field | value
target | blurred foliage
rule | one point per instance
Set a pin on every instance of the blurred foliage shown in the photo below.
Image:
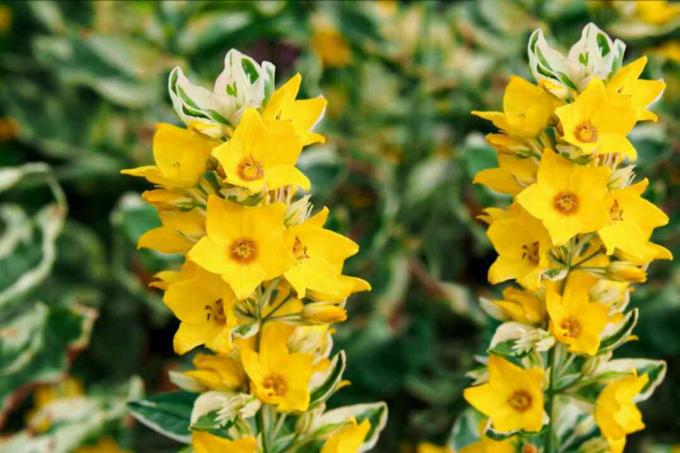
(82, 84)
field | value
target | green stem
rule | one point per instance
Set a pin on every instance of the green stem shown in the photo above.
(262, 429)
(549, 434)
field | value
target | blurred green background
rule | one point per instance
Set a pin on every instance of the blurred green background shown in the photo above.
(82, 85)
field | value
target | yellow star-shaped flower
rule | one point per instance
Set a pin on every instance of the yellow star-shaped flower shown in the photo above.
(522, 244)
(180, 156)
(204, 442)
(316, 250)
(574, 320)
(598, 122)
(203, 303)
(527, 109)
(302, 114)
(568, 198)
(512, 398)
(632, 221)
(262, 157)
(278, 377)
(347, 439)
(615, 410)
(642, 93)
(245, 245)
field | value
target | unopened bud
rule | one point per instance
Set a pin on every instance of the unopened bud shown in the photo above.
(626, 271)
(323, 313)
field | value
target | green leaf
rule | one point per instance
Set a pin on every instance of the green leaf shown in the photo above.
(324, 391)
(167, 413)
(465, 429)
(75, 420)
(622, 333)
(39, 351)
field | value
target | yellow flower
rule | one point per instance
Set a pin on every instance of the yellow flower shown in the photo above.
(632, 221)
(180, 156)
(513, 173)
(331, 46)
(278, 377)
(315, 250)
(669, 50)
(512, 398)
(260, 157)
(215, 372)
(642, 93)
(615, 410)
(526, 109)
(302, 114)
(348, 439)
(574, 320)
(657, 12)
(522, 244)
(488, 445)
(568, 198)
(103, 445)
(203, 442)
(179, 232)
(521, 306)
(5, 19)
(203, 303)
(45, 394)
(426, 447)
(246, 245)
(598, 121)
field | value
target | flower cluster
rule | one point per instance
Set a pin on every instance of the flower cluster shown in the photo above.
(261, 284)
(574, 238)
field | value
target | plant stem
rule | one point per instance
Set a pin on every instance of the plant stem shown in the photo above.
(263, 429)
(552, 364)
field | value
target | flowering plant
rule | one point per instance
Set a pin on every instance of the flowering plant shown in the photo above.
(575, 237)
(261, 284)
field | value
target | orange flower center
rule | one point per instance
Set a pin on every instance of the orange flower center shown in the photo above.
(249, 169)
(215, 312)
(572, 327)
(275, 385)
(586, 132)
(616, 213)
(566, 202)
(520, 401)
(530, 253)
(243, 250)
(299, 249)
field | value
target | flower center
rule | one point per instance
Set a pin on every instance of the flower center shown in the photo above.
(299, 249)
(243, 250)
(586, 132)
(520, 401)
(616, 213)
(566, 202)
(275, 384)
(530, 253)
(215, 312)
(249, 169)
(572, 327)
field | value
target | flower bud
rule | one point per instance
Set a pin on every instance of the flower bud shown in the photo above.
(626, 271)
(323, 313)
